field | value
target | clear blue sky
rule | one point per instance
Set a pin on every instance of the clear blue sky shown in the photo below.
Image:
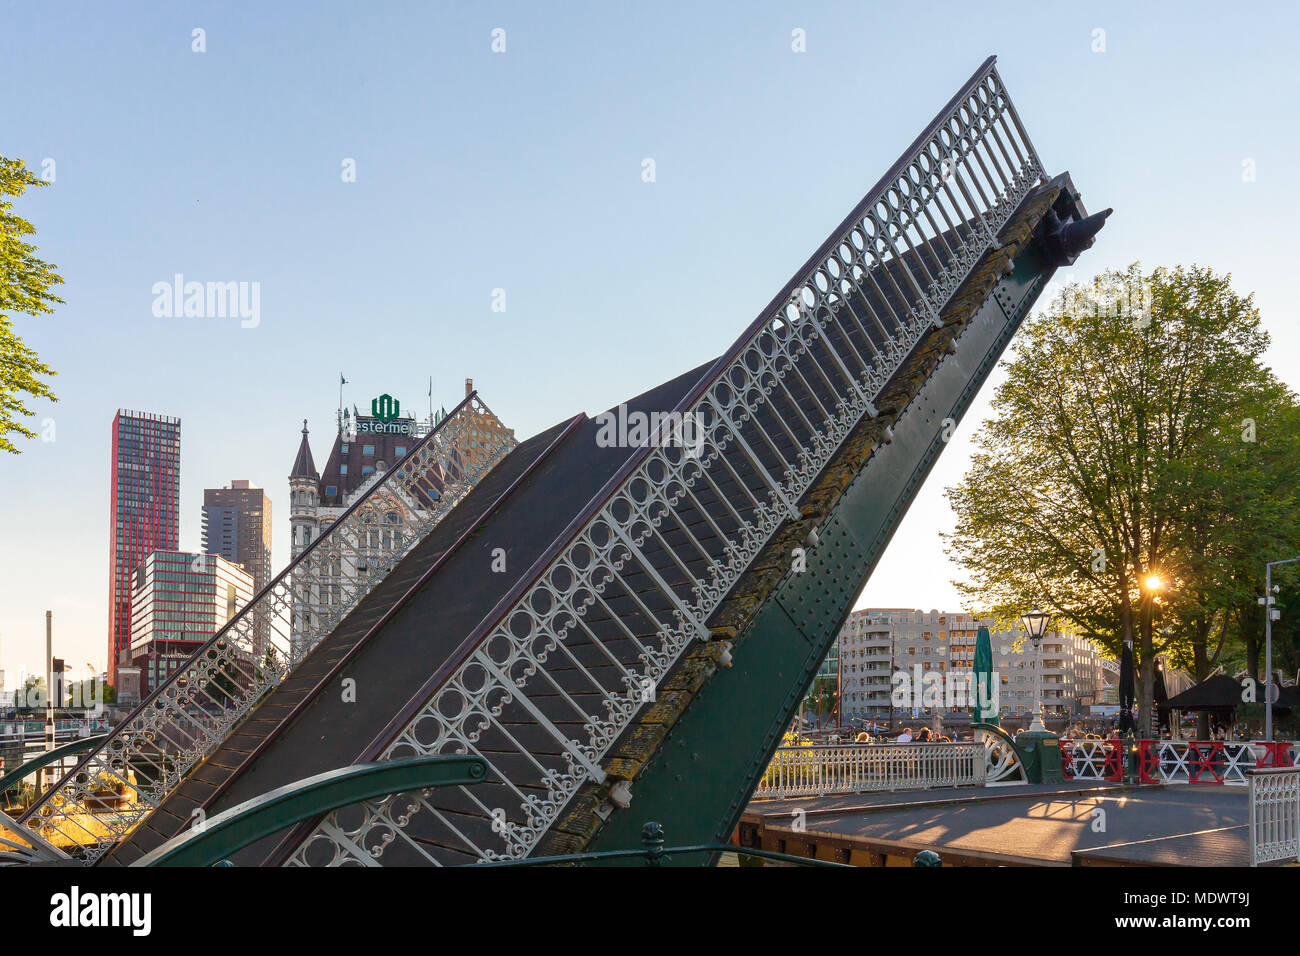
(522, 171)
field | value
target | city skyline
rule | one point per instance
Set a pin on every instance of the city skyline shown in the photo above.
(481, 166)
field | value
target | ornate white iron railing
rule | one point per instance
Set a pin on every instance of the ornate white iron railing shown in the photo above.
(861, 768)
(191, 713)
(608, 611)
(1274, 815)
(1002, 764)
(21, 846)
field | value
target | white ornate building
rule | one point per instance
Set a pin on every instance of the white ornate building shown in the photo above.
(365, 449)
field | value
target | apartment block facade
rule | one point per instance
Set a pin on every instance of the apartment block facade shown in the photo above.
(878, 643)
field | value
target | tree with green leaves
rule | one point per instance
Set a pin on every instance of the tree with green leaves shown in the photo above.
(25, 284)
(823, 697)
(1137, 467)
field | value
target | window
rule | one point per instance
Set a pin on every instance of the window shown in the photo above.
(366, 470)
(331, 491)
(401, 450)
(343, 450)
(343, 469)
(367, 449)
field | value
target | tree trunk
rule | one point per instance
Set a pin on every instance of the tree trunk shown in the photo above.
(1126, 637)
(1201, 670)
(1146, 693)
(1253, 653)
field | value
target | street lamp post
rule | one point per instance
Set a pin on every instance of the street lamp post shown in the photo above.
(51, 731)
(891, 671)
(1035, 626)
(1270, 615)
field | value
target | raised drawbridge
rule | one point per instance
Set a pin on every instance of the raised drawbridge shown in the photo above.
(620, 633)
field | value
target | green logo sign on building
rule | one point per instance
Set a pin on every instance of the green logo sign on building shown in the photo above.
(385, 407)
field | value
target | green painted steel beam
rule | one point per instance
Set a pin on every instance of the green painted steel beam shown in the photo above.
(80, 745)
(233, 829)
(703, 774)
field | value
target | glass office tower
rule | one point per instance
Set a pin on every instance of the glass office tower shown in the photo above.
(144, 510)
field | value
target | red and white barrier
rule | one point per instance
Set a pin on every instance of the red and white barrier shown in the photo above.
(1210, 762)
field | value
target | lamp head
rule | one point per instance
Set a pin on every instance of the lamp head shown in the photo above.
(1036, 624)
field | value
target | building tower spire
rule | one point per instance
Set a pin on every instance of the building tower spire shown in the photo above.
(303, 466)
(304, 523)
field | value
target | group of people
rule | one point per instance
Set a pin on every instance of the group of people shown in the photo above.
(923, 736)
(909, 736)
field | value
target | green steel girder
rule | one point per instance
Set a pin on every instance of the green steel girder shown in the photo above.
(703, 773)
(252, 820)
(80, 745)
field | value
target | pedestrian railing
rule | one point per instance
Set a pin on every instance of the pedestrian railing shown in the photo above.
(35, 729)
(1274, 815)
(20, 846)
(1195, 761)
(1093, 759)
(862, 768)
(23, 785)
(1002, 764)
(1213, 762)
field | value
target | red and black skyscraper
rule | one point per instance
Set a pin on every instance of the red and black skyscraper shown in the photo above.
(144, 510)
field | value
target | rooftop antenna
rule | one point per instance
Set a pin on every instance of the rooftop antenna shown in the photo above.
(430, 401)
(342, 381)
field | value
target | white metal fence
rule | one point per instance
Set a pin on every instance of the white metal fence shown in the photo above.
(860, 768)
(1274, 815)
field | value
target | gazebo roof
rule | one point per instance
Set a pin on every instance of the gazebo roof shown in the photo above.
(1213, 693)
(1221, 691)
